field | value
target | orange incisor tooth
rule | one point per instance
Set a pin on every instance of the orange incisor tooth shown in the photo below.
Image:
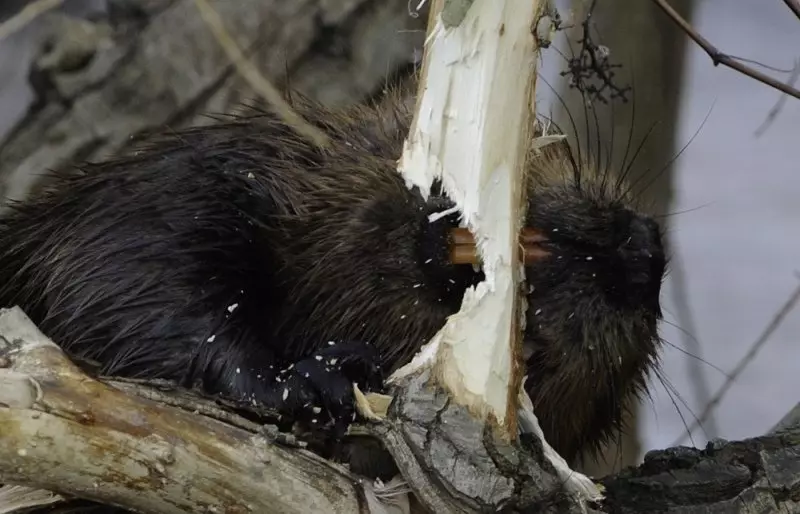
(463, 250)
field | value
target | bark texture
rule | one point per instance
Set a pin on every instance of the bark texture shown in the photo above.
(142, 448)
(154, 63)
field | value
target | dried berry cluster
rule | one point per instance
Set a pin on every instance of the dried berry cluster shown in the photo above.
(590, 70)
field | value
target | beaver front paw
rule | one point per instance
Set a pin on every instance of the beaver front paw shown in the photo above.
(319, 388)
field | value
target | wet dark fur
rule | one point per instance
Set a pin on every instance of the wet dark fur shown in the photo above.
(136, 263)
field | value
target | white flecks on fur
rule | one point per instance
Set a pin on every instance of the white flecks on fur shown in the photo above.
(232, 307)
(211, 339)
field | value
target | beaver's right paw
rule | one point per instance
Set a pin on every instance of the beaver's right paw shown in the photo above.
(320, 387)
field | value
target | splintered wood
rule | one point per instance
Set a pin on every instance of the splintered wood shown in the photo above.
(471, 130)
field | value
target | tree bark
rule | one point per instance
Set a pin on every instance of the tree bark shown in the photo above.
(153, 450)
(155, 64)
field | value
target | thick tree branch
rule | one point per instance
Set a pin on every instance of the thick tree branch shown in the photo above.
(67, 432)
(794, 5)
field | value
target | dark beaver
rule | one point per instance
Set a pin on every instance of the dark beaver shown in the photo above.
(240, 257)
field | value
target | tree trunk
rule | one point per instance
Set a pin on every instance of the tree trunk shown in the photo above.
(154, 64)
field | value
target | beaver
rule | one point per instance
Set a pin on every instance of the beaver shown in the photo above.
(240, 258)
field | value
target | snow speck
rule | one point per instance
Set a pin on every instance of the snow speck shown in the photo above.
(232, 307)
(211, 339)
(285, 394)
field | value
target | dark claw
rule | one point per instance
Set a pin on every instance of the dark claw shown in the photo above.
(320, 387)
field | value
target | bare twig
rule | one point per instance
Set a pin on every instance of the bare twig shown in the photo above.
(776, 109)
(743, 362)
(256, 80)
(722, 58)
(26, 15)
(794, 5)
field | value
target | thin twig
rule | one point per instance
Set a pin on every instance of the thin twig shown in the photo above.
(744, 361)
(256, 80)
(776, 109)
(765, 66)
(26, 15)
(794, 5)
(721, 58)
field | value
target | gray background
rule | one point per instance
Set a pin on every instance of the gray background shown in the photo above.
(739, 243)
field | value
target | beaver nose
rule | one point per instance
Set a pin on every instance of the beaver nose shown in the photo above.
(642, 256)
